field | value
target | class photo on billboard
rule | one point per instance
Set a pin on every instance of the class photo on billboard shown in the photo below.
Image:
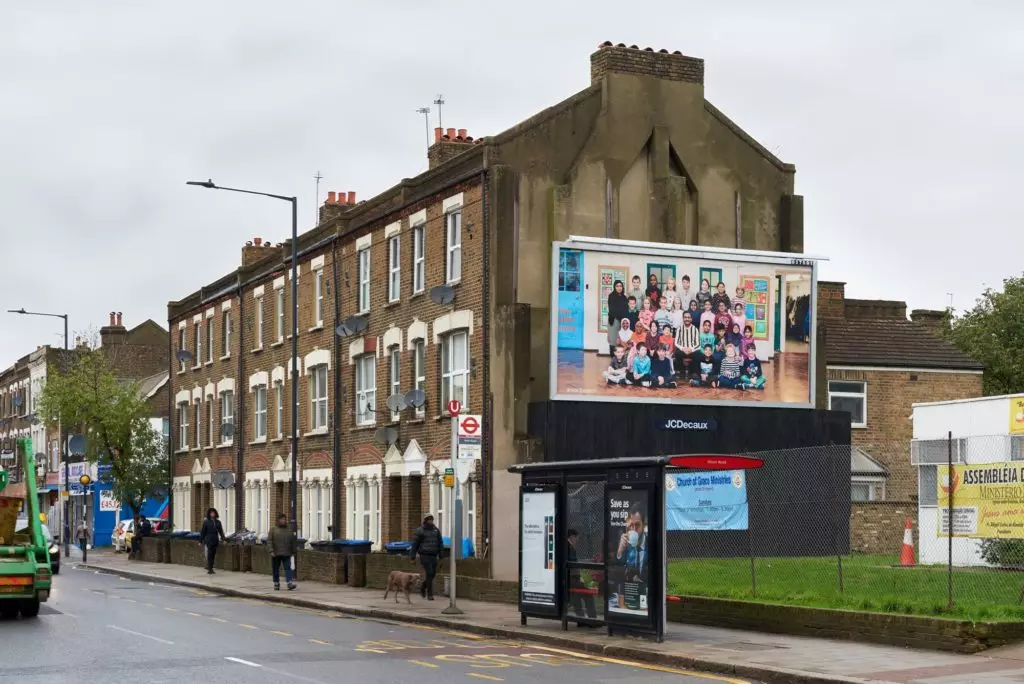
(674, 324)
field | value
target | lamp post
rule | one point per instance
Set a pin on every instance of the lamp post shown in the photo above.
(293, 489)
(66, 509)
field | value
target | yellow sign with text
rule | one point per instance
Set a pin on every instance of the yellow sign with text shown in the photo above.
(1017, 416)
(988, 500)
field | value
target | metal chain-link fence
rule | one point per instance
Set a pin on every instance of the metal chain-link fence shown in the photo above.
(860, 528)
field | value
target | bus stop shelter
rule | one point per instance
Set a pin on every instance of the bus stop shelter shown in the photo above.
(592, 539)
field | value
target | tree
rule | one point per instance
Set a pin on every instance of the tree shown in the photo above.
(992, 333)
(87, 396)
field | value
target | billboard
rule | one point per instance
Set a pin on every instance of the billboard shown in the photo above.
(666, 323)
(988, 500)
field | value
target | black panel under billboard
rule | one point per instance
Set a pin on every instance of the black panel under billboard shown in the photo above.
(798, 503)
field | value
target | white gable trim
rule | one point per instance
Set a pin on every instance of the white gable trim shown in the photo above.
(367, 471)
(258, 291)
(394, 464)
(456, 320)
(281, 469)
(182, 325)
(198, 318)
(415, 459)
(279, 283)
(197, 393)
(210, 312)
(257, 476)
(226, 305)
(210, 390)
(258, 378)
(393, 337)
(358, 348)
(318, 357)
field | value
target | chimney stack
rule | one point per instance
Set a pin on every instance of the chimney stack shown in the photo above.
(112, 334)
(934, 321)
(254, 250)
(448, 144)
(634, 61)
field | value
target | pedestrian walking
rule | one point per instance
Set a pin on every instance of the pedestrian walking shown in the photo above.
(427, 543)
(83, 536)
(210, 536)
(282, 544)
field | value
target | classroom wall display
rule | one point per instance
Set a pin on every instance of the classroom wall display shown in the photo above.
(633, 320)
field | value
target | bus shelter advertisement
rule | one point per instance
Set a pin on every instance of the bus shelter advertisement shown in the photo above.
(537, 546)
(628, 570)
(988, 500)
(675, 324)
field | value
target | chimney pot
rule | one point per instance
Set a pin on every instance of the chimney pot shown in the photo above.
(462, 133)
(119, 319)
(351, 197)
(648, 49)
(438, 132)
(112, 319)
(451, 134)
(605, 44)
(257, 241)
(331, 197)
(248, 243)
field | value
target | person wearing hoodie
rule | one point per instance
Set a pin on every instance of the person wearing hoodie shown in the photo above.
(282, 543)
(427, 544)
(210, 535)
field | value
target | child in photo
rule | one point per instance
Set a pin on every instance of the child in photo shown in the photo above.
(739, 315)
(720, 342)
(708, 314)
(707, 370)
(748, 340)
(753, 374)
(625, 332)
(704, 294)
(707, 338)
(694, 309)
(741, 293)
(615, 373)
(720, 297)
(735, 338)
(639, 337)
(684, 290)
(636, 289)
(663, 315)
(667, 339)
(661, 369)
(676, 314)
(646, 315)
(722, 317)
(632, 311)
(731, 368)
(653, 339)
(641, 370)
(670, 292)
(653, 291)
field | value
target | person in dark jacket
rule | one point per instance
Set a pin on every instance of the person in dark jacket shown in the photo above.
(145, 529)
(580, 596)
(427, 543)
(282, 544)
(210, 536)
(618, 308)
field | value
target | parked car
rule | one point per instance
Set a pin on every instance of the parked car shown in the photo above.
(121, 538)
(52, 546)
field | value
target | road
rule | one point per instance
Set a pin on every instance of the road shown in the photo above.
(126, 630)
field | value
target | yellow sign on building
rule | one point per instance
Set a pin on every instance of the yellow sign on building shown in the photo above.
(1017, 416)
(988, 500)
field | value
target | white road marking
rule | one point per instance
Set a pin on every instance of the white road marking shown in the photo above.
(70, 615)
(140, 634)
(242, 662)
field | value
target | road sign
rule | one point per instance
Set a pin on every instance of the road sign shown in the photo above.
(713, 462)
(471, 437)
(449, 477)
(454, 407)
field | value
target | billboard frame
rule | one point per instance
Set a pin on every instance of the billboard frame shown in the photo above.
(670, 251)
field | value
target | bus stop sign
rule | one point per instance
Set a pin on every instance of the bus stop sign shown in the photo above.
(713, 462)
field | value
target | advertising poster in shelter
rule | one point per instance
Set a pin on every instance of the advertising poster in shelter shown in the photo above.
(988, 500)
(675, 324)
(714, 500)
(537, 544)
(628, 570)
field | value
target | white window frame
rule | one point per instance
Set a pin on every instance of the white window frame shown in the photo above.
(366, 389)
(419, 268)
(280, 309)
(318, 397)
(184, 411)
(350, 505)
(449, 373)
(225, 333)
(419, 369)
(862, 395)
(210, 340)
(279, 406)
(181, 345)
(197, 328)
(363, 280)
(259, 423)
(227, 415)
(394, 268)
(259, 322)
(395, 377)
(210, 419)
(438, 495)
(453, 245)
(365, 510)
(469, 509)
(318, 297)
(198, 405)
(875, 485)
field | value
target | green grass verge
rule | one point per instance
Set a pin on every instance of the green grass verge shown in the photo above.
(870, 583)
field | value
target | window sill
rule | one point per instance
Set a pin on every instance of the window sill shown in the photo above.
(419, 420)
(862, 426)
(316, 433)
(209, 362)
(455, 282)
(392, 303)
(363, 312)
(181, 451)
(225, 357)
(277, 439)
(199, 367)
(278, 343)
(363, 427)
(225, 445)
(318, 327)
(261, 440)
(181, 372)
(257, 350)
(418, 293)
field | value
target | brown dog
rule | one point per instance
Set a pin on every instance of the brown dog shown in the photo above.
(399, 581)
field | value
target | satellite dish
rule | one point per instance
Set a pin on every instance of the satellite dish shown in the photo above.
(159, 491)
(183, 355)
(227, 430)
(396, 402)
(386, 435)
(442, 294)
(416, 398)
(76, 444)
(356, 325)
(223, 479)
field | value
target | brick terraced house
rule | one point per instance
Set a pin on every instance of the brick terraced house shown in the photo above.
(638, 154)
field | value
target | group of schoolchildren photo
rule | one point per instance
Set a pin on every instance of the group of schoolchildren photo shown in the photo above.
(660, 337)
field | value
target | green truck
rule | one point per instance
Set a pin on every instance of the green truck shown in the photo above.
(25, 574)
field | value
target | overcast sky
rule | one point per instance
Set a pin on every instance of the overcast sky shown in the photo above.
(903, 120)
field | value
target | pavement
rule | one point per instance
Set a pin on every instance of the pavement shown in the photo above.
(98, 625)
(689, 651)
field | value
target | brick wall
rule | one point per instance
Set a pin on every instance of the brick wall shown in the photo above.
(673, 66)
(876, 527)
(831, 299)
(473, 577)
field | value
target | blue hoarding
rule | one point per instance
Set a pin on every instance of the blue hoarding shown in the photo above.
(714, 500)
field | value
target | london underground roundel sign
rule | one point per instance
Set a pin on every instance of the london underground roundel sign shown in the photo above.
(715, 462)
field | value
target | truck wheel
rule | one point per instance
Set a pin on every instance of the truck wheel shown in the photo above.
(30, 608)
(8, 610)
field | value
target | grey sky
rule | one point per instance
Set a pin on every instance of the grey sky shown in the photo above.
(903, 120)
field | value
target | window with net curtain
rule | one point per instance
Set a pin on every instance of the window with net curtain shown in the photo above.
(455, 367)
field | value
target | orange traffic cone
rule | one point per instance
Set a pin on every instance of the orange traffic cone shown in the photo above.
(907, 556)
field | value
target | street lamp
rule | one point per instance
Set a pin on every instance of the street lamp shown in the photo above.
(60, 432)
(293, 489)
